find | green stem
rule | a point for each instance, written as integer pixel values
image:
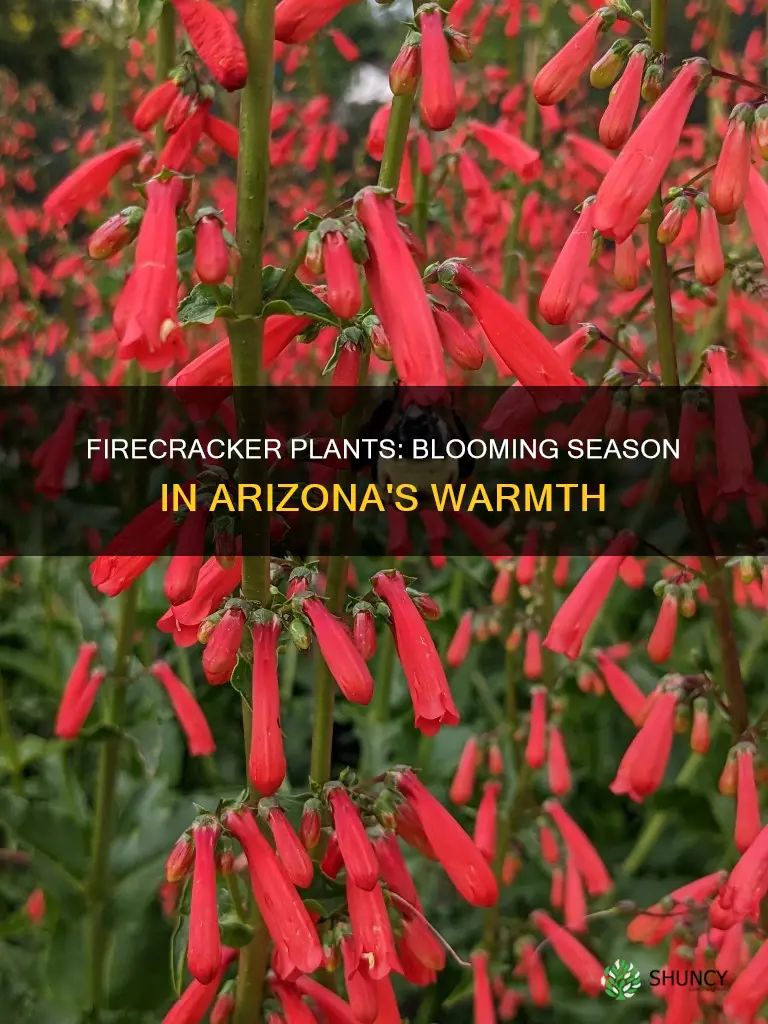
(394, 147)
(99, 886)
(165, 56)
(325, 693)
(246, 337)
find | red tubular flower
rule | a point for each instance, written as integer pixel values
(486, 821)
(191, 718)
(204, 945)
(574, 899)
(730, 179)
(332, 861)
(69, 718)
(579, 961)
(89, 181)
(438, 102)
(197, 999)
(285, 916)
(432, 701)
(34, 907)
(709, 262)
(216, 40)
(560, 295)
(484, 1012)
(297, 21)
(179, 149)
(183, 621)
(458, 648)
(361, 989)
(223, 134)
(211, 252)
(73, 717)
(740, 896)
(371, 930)
(532, 661)
(747, 801)
(700, 736)
(585, 856)
(550, 851)
(334, 1008)
(535, 749)
(532, 967)
(733, 450)
(558, 768)
(266, 760)
(561, 73)
(458, 344)
(642, 768)
(223, 1009)
(182, 573)
(524, 349)
(636, 175)
(398, 294)
(510, 150)
(220, 654)
(650, 928)
(625, 269)
(463, 784)
(52, 458)
(622, 688)
(577, 612)
(293, 856)
(749, 991)
(756, 209)
(421, 942)
(155, 105)
(662, 639)
(619, 116)
(146, 327)
(354, 845)
(344, 661)
(464, 864)
(345, 295)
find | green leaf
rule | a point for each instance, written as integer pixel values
(179, 941)
(47, 831)
(204, 303)
(309, 223)
(242, 680)
(296, 300)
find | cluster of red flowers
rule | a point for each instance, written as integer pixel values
(418, 315)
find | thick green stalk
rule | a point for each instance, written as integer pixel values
(165, 55)
(98, 886)
(246, 336)
(394, 147)
(729, 656)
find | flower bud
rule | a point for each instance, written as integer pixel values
(300, 633)
(672, 223)
(115, 233)
(313, 261)
(211, 250)
(223, 1009)
(178, 111)
(180, 859)
(608, 68)
(380, 343)
(311, 822)
(221, 650)
(428, 606)
(406, 69)
(652, 83)
(459, 46)
(364, 631)
(761, 129)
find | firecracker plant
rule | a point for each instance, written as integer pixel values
(594, 210)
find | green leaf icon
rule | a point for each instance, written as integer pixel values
(621, 980)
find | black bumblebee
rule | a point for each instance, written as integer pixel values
(416, 438)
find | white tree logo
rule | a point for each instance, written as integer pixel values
(621, 980)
